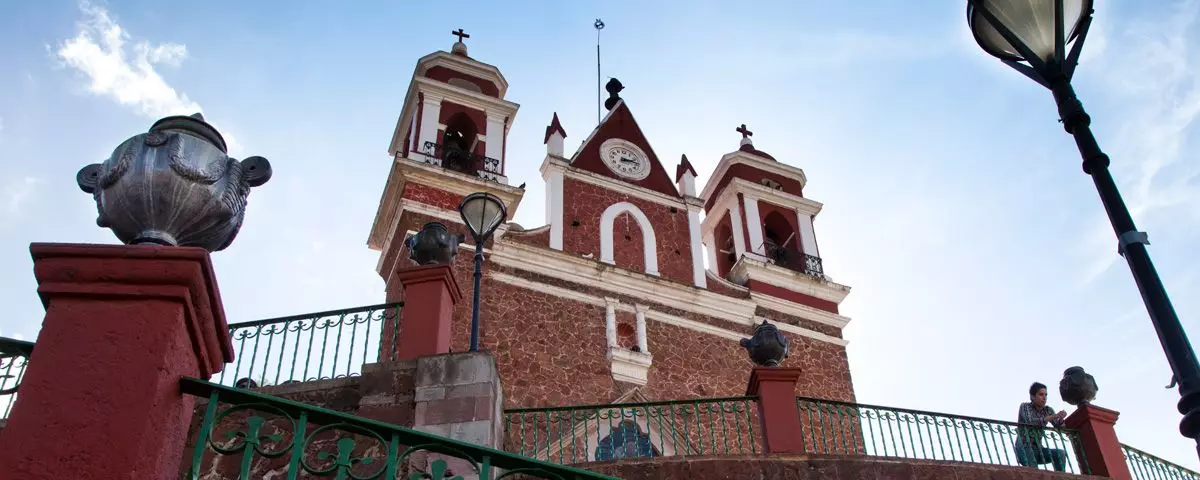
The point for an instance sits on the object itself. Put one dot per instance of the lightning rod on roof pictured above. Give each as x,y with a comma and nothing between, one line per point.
599,26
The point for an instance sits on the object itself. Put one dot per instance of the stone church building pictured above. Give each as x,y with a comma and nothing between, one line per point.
641,283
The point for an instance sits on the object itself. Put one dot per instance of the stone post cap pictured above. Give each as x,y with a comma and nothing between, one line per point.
183,274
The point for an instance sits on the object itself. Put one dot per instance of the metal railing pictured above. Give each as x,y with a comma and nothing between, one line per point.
838,428
570,435
14,357
314,346
462,161
1145,466
248,435
801,262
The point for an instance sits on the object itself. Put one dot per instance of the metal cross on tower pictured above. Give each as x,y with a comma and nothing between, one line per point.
742,130
461,34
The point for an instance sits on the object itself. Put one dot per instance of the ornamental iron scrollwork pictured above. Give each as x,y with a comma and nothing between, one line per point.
267,436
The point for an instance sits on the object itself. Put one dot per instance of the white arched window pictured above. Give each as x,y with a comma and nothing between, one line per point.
649,246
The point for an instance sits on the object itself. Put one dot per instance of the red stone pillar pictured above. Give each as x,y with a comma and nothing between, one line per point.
1098,441
100,398
430,293
776,391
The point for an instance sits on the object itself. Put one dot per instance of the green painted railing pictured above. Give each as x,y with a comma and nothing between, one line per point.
838,428
1145,466
268,437
14,356
314,346
570,435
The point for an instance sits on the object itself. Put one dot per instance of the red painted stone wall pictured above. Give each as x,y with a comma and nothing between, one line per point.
584,203
444,74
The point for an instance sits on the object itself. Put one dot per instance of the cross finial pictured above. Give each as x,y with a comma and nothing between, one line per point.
745,133
461,34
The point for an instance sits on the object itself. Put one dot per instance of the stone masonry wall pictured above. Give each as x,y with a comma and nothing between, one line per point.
584,203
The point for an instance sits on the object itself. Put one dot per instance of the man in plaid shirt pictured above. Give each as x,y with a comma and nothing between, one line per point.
1033,417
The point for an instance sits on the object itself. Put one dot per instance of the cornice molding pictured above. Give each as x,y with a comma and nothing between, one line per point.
748,268
738,156
651,289
465,65
554,163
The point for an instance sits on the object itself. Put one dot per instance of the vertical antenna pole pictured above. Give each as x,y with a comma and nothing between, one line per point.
599,26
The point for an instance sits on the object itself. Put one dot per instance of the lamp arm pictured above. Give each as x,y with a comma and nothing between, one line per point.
1073,58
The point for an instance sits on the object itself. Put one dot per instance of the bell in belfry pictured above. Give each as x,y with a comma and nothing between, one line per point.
768,347
174,185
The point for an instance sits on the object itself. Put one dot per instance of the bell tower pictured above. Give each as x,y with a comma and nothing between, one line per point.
449,142
758,229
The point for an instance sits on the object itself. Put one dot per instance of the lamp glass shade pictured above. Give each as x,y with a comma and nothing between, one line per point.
1031,21
482,212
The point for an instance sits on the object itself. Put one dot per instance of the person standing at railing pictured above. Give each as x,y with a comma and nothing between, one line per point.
1033,417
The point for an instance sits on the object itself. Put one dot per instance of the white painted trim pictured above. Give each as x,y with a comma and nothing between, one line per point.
747,268
629,366
712,275
494,148
710,249
649,244
814,314
754,226
735,223
554,144
466,65
554,207
738,156
610,321
803,331
808,236
552,162
431,108
687,184
640,323
697,246
778,197
664,298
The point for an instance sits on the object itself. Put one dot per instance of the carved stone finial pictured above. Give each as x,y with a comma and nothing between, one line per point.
433,245
174,185
613,87
1077,387
768,347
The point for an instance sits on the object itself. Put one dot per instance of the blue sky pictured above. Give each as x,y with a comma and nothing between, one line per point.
955,206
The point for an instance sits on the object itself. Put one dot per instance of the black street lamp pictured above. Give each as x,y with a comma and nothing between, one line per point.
483,213
1032,36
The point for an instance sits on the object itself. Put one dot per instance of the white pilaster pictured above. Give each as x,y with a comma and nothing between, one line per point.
710,247
610,321
698,278
495,137
754,226
554,145
808,237
431,110
643,344
735,222
687,184
554,208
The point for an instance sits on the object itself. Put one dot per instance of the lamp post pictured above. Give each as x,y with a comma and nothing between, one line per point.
1032,37
483,213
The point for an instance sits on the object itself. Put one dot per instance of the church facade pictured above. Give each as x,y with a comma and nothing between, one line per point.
641,283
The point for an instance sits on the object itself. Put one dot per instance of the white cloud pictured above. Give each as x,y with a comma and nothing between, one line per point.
101,52
1152,65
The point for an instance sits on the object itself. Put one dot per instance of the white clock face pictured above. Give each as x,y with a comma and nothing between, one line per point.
625,159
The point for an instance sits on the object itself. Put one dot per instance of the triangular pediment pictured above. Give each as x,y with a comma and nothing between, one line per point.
618,127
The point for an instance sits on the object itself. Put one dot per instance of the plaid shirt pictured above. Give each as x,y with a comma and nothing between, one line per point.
1031,415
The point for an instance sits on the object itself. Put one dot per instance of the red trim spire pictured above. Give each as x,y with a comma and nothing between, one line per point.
684,167
554,127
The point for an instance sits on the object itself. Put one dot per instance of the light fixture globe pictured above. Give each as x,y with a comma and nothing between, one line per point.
483,213
1032,22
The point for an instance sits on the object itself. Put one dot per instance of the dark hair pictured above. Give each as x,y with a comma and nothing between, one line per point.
1033,389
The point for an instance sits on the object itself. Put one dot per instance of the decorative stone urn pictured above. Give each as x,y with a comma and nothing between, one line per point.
174,185
1077,387
768,347
434,245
